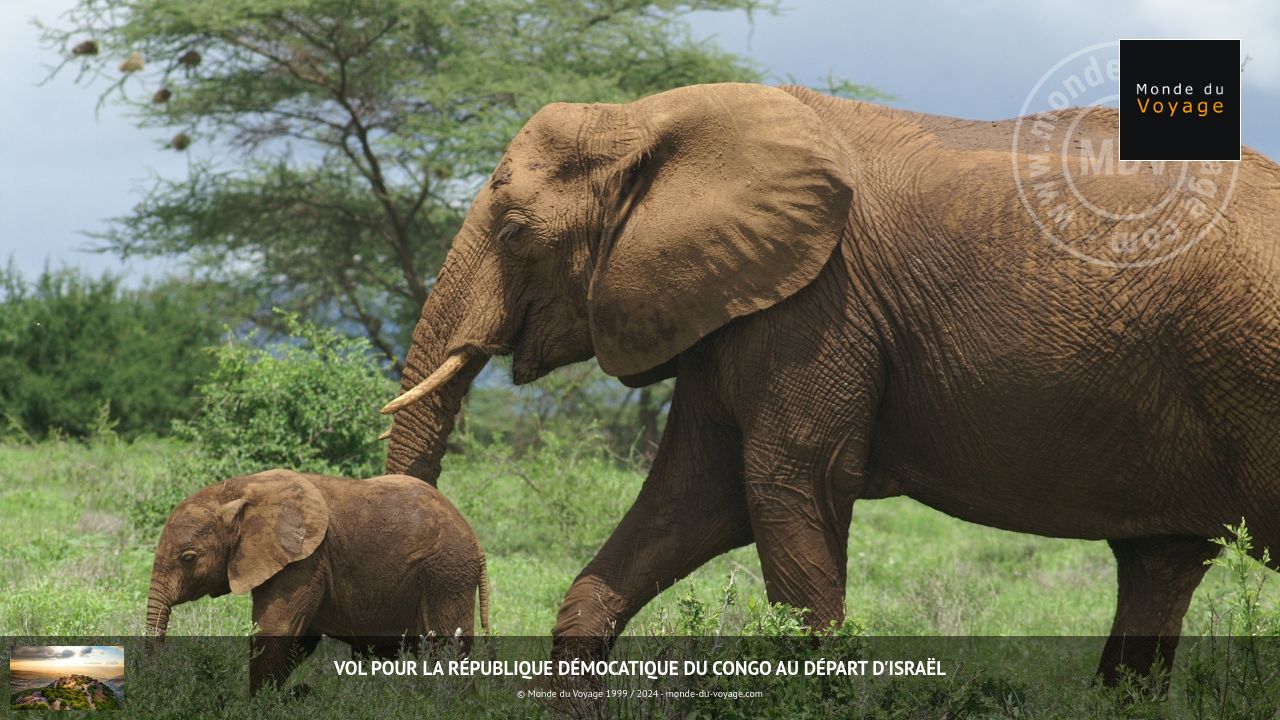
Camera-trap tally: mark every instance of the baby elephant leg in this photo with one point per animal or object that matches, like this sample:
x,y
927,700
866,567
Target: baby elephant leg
x,y
276,657
450,614
282,609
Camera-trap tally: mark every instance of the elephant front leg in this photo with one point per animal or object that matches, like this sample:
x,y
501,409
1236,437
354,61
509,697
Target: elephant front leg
x,y
283,608
803,470
275,657
690,510
802,536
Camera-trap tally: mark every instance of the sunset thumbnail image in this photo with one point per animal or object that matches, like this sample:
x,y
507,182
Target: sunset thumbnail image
x,y
66,677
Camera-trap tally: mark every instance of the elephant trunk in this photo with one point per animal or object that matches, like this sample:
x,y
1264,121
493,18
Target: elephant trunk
x,y
158,608
451,344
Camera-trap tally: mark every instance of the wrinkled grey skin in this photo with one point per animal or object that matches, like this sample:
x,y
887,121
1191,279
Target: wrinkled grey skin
x,y
366,561
855,304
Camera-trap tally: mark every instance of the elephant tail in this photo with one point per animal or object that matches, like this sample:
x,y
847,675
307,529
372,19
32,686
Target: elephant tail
x,y
483,592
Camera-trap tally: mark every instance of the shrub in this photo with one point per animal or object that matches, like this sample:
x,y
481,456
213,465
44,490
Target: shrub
x,y
564,493
309,403
574,400
71,345
1232,669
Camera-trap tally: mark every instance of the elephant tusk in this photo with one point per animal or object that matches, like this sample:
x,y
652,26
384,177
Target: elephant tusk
x,y
442,375
386,433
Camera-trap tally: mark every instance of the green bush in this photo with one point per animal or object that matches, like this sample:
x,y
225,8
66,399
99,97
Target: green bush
x,y
564,493
574,400
1233,669
71,345
309,403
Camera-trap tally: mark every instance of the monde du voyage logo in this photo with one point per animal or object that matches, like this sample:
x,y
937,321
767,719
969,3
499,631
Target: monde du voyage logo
x,y
1180,100
1177,149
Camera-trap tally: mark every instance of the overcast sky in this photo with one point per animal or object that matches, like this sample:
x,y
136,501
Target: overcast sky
x,y
63,172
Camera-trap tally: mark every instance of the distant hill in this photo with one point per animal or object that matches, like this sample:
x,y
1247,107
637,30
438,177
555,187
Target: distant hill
x,y
69,692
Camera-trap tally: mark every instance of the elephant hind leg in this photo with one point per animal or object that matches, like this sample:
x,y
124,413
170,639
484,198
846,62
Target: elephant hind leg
x,y
450,614
1156,578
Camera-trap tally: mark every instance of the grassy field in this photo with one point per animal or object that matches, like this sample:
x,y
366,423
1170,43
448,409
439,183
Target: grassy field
x,y
76,536
73,561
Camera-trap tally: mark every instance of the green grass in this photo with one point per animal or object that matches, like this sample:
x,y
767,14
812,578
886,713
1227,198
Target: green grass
x,y
75,554
73,562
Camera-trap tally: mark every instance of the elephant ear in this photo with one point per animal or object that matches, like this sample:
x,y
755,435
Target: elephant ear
x,y
276,517
733,201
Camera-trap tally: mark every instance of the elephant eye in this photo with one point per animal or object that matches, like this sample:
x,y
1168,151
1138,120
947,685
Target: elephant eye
x,y
188,557
509,233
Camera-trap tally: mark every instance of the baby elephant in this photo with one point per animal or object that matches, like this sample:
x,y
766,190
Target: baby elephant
x,y
364,561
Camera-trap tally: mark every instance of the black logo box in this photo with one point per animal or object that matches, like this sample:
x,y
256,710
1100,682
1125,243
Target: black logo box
x,y
1179,71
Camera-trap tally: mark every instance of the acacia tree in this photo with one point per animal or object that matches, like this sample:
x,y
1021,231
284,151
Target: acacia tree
x,y
336,142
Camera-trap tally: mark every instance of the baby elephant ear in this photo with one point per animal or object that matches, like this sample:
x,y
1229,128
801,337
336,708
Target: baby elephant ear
x,y
276,517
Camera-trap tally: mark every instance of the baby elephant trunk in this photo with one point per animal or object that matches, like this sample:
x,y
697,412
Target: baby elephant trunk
x,y
157,614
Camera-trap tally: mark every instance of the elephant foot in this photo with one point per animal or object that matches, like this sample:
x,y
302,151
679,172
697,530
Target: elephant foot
x,y
572,654
581,647
572,695
588,621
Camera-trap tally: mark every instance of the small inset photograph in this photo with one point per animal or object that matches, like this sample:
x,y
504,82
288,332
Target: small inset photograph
x,y
66,677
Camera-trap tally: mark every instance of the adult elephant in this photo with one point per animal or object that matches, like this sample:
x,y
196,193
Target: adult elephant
x,y
855,304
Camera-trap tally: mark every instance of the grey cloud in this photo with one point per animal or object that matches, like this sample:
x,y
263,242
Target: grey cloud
x,y
967,58
979,60
42,652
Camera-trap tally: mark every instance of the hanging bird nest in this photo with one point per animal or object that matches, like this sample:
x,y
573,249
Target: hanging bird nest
x,y
133,63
